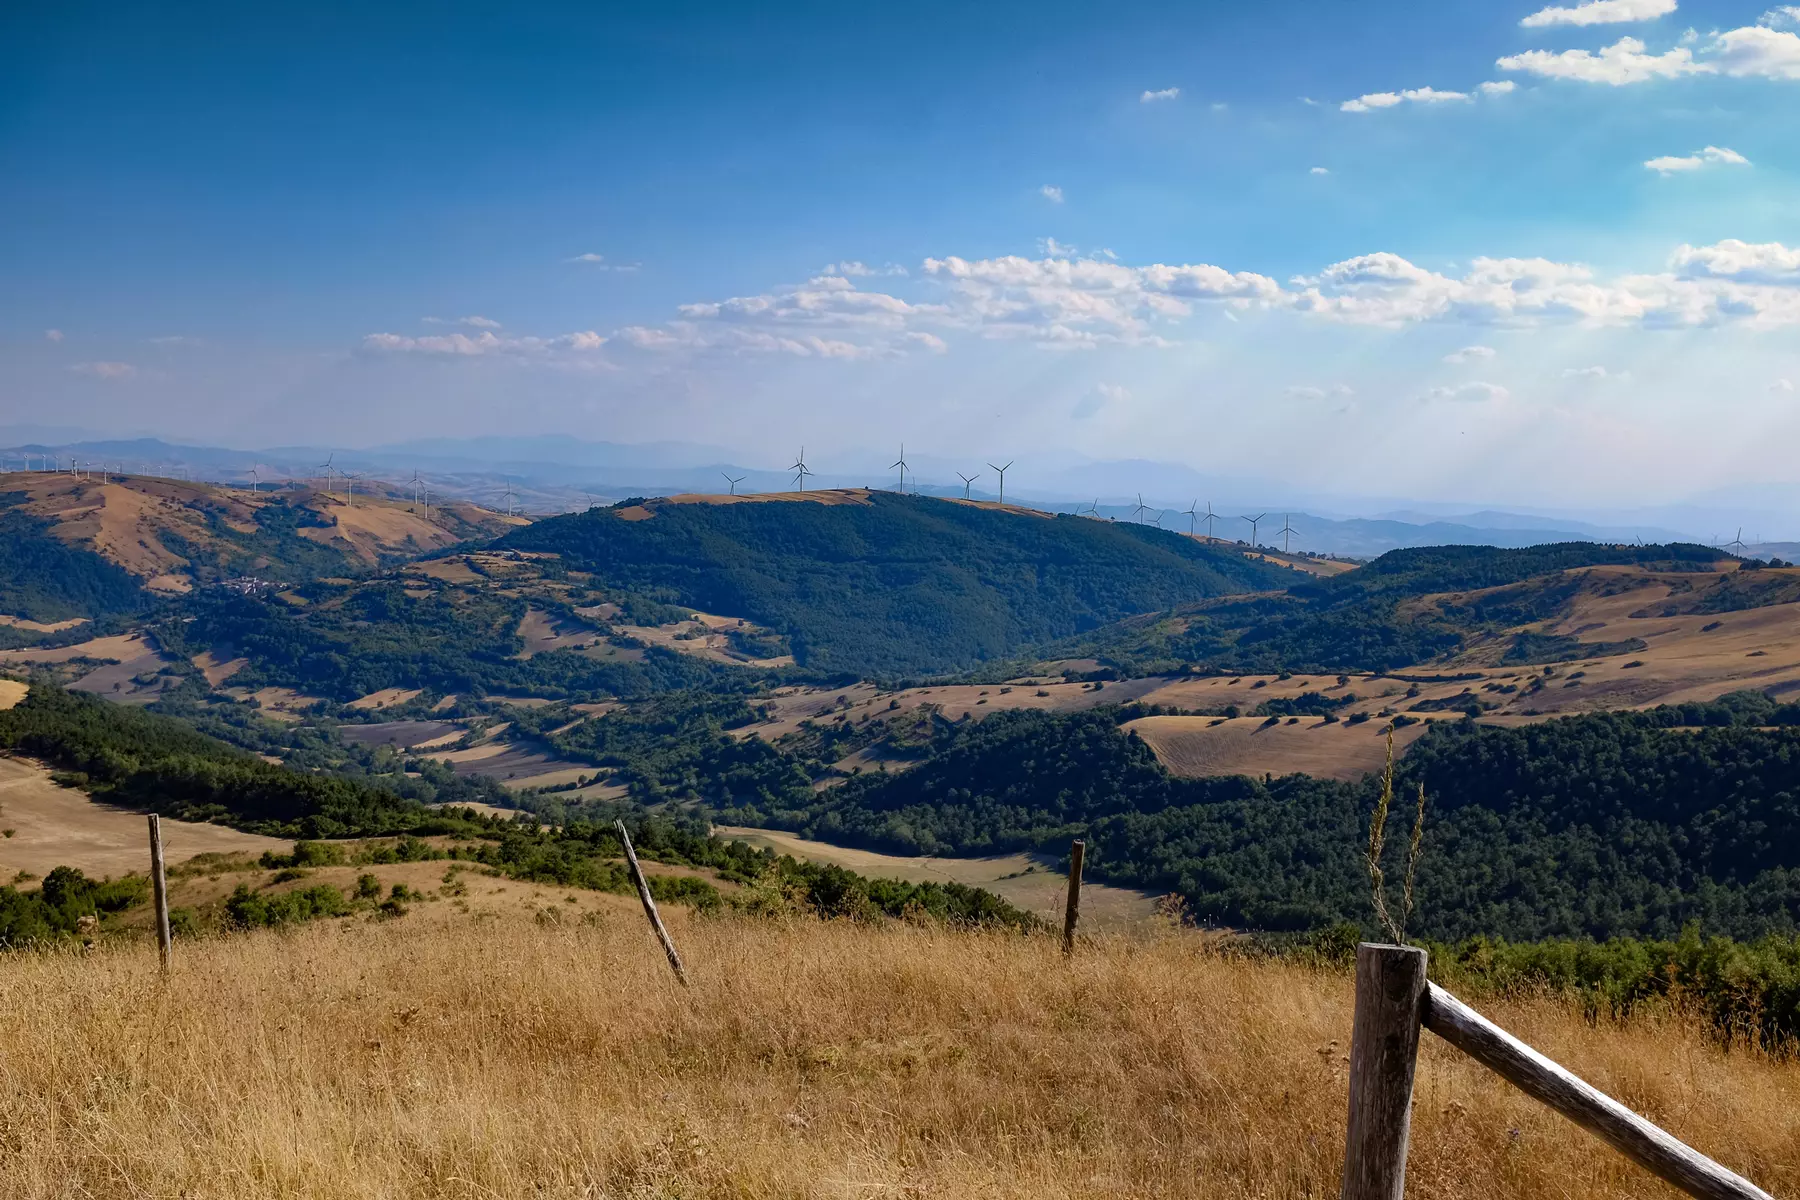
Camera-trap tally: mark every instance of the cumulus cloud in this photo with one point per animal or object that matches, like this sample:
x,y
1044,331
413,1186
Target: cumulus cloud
x,y
1711,156
1757,50
1469,392
1762,263
1786,14
105,370
1623,62
1377,100
1164,94
1052,248
1469,354
53,335
1320,171
1498,87
1062,300
1052,193
1600,12
462,345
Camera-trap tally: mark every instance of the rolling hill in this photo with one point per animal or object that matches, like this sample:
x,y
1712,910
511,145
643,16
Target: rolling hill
x,y
879,583
86,547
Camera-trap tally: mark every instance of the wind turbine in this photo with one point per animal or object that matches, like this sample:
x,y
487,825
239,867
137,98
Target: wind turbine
x,y
255,480
902,465
728,479
1253,523
1003,471
800,471
1737,541
1157,520
352,476
1093,510
326,467
1137,514
967,481
1286,531
590,500
1192,514
510,496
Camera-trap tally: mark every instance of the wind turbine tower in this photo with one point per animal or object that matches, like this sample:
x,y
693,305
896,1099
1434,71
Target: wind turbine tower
x,y
1192,514
901,463
728,479
1137,514
800,471
968,480
1287,531
1253,523
1737,541
326,467
1002,471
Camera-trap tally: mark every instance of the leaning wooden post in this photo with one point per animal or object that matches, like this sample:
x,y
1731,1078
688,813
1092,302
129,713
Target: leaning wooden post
x,y
1384,1048
643,889
159,884
1072,910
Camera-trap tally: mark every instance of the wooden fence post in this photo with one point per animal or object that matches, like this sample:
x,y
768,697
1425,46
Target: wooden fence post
x,y
643,889
1072,911
160,887
1384,1049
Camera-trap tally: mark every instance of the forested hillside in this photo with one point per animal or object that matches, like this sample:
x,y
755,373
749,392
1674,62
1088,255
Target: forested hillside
x,y
1590,826
45,579
1361,621
884,584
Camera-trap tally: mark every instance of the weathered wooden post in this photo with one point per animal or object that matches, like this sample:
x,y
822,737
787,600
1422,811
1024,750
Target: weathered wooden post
x,y
1072,911
643,889
160,887
1384,1048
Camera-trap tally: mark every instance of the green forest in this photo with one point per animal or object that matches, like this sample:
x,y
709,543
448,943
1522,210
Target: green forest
x,y
1592,826
901,585
43,578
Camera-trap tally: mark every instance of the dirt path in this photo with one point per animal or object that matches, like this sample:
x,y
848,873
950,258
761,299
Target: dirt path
x,y
50,826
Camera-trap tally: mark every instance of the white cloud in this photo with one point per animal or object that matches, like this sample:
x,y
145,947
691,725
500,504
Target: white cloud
x,y
930,341
1104,394
478,322
105,370
1786,14
1621,63
1469,354
1051,248
53,335
462,345
1498,87
1052,193
1375,100
1763,263
1164,94
1711,156
851,269
599,262
1596,374
1782,385
1320,171
1600,12
1759,51
1469,392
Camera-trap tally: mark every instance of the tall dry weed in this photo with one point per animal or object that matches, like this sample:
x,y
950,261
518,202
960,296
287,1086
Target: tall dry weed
x,y
502,1057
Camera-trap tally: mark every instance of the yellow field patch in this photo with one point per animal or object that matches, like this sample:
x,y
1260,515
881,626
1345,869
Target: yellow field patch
x,y
11,692
387,698
39,626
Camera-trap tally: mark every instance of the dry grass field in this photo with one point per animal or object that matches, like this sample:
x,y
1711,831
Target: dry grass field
x,y
46,825
1029,881
515,1056
1247,746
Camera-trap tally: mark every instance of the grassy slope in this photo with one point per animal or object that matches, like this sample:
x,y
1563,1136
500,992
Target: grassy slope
x,y
896,584
493,1056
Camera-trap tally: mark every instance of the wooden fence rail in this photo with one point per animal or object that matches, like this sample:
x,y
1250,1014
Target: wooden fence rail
x,y
1394,1001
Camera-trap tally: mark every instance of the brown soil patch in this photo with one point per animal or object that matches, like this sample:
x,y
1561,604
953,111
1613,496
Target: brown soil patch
x,y
41,627
11,692
216,669
56,826
123,647
1203,746
387,698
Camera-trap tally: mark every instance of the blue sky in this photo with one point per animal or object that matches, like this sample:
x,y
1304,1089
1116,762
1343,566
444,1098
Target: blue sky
x,y
1301,240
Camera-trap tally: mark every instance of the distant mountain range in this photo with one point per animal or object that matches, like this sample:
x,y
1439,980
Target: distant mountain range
x,y
560,474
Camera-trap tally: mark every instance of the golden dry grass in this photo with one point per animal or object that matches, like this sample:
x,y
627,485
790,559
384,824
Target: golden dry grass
x,y
426,1058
